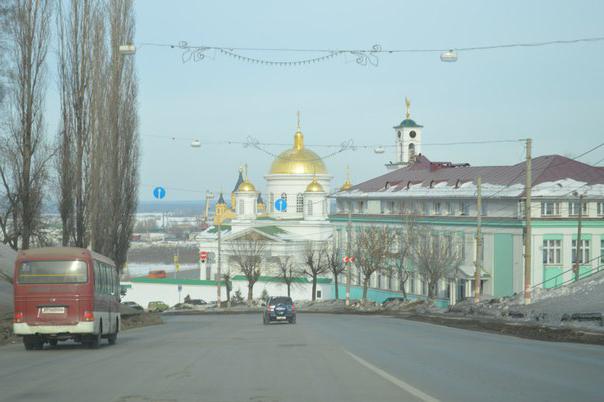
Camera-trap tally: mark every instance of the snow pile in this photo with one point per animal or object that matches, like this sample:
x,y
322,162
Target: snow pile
x,y
548,306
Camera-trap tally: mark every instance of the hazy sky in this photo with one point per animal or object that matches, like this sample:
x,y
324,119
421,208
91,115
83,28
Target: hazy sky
x,y
553,94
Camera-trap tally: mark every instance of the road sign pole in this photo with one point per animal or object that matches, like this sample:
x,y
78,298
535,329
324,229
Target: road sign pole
x,y
348,252
218,269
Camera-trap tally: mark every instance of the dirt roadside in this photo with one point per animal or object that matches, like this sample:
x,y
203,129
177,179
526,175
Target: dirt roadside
x,y
128,322
520,329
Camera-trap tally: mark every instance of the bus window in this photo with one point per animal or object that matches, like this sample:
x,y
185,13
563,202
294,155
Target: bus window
x,y
49,272
97,277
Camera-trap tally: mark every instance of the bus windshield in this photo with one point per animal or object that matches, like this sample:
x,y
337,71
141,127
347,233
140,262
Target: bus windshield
x,y
49,272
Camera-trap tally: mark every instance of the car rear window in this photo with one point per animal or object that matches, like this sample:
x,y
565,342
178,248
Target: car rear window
x,y
53,272
281,300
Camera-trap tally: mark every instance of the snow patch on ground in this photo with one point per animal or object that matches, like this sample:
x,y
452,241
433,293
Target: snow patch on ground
x,y
548,305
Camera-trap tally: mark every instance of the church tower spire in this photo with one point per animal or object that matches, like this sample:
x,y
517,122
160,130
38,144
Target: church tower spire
x,y
407,140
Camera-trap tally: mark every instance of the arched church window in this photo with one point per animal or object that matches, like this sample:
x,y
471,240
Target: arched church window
x,y
324,207
300,203
309,208
241,206
400,135
411,151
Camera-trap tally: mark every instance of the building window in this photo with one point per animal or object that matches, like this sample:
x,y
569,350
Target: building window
x,y
437,209
451,208
309,208
412,283
300,203
601,208
462,247
426,206
550,208
584,254
241,205
484,208
324,207
382,207
573,208
392,208
361,207
551,251
464,207
271,201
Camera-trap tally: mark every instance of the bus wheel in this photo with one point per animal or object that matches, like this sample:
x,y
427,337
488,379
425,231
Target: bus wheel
x,y
112,338
32,342
94,341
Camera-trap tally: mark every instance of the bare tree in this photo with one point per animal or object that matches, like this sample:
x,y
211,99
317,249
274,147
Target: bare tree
x,y
372,246
23,150
333,257
400,257
248,254
435,256
75,66
287,271
115,143
315,263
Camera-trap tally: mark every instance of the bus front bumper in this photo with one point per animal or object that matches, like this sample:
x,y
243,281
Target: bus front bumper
x,y
23,328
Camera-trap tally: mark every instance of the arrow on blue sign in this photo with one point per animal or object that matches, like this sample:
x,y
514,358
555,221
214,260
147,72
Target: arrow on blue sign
x,y
281,205
159,192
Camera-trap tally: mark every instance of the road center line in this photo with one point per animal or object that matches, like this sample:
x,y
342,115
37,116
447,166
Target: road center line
x,y
399,383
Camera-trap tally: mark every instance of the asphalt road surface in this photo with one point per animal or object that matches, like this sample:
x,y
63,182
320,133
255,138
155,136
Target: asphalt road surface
x,y
321,358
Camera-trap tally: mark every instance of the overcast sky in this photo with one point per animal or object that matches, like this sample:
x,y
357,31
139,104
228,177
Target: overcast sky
x,y
553,94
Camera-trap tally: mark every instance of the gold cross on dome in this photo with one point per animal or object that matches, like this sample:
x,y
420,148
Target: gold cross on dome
x,y
298,114
407,107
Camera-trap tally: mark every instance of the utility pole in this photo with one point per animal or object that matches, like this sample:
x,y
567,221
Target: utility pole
x,y
218,269
348,252
579,252
478,262
527,231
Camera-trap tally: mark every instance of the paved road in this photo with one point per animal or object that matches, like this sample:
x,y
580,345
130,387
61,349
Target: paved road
x,y
322,358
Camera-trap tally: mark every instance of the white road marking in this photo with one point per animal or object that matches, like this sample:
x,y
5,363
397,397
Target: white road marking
x,y
399,383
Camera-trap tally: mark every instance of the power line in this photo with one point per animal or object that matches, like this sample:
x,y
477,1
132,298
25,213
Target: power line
x,y
362,56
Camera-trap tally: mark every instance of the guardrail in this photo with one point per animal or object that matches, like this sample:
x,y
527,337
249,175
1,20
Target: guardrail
x,y
586,275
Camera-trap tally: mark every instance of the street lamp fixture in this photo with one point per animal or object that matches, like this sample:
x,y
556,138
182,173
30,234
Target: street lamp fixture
x,y
195,144
127,49
450,56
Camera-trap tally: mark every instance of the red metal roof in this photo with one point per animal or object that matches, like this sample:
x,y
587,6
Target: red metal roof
x,y
546,168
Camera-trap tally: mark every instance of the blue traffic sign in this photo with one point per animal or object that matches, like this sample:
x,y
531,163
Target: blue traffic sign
x,y
281,205
159,192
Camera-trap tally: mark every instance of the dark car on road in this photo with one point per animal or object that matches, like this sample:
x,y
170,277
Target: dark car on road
x,y
133,305
279,308
391,299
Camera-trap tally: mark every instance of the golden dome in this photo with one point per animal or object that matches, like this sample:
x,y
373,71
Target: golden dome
x,y
314,186
347,184
246,186
298,160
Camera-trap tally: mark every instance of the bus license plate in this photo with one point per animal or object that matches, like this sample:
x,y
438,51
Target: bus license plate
x,y
281,318
53,310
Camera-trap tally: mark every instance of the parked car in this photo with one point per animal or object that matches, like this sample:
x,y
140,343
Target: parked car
x,y
391,299
279,308
197,302
160,273
133,305
157,306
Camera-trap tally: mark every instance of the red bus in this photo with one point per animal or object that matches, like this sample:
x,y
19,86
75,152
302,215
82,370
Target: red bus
x,y
63,293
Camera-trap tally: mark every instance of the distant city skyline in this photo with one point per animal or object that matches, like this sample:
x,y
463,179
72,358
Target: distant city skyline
x,y
552,94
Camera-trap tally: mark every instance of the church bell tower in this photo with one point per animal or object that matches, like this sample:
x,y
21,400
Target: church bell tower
x,y
407,140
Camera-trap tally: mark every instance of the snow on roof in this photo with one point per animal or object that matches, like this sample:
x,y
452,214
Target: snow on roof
x,y
552,176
